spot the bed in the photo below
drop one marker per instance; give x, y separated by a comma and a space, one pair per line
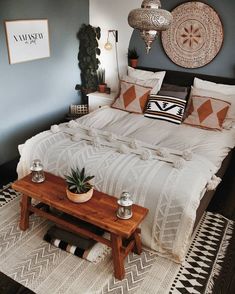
176, 183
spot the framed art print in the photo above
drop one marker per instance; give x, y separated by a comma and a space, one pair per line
27, 40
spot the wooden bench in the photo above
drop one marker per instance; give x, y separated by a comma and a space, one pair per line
100, 210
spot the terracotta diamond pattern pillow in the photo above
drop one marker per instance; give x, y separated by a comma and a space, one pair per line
132, 97
206, 112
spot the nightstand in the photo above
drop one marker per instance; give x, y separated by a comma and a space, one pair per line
97, 100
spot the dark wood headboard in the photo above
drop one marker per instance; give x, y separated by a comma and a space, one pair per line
186, 79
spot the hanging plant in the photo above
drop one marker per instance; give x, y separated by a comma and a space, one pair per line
88, 37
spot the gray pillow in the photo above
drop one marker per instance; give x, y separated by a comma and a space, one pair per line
176, 94
174, 88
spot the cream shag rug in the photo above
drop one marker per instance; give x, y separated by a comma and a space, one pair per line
43, 268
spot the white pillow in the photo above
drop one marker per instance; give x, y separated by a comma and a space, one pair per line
221, 88
217, 95
147, 75
151, 83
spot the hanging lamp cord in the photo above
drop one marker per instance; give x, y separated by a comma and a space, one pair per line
116, 49
115, 34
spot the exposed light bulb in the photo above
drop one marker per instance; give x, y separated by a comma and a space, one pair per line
108, 46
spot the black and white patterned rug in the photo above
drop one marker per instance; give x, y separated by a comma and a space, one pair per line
205, 269
208, 256
7, 194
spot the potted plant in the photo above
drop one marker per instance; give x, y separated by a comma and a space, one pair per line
88, 37
133, 57
101, 80
79, 188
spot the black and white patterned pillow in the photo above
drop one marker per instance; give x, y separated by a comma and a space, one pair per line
166, 108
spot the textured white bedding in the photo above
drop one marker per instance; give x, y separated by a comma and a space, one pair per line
172, 195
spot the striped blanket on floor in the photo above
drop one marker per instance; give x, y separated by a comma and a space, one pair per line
77, 245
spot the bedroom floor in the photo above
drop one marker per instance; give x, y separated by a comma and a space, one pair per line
223, 203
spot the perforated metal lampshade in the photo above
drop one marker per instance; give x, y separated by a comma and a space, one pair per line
149, 20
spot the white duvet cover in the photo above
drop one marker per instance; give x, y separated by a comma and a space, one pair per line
170, 191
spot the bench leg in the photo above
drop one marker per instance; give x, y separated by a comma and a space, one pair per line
118, 262
138, 245
24, 215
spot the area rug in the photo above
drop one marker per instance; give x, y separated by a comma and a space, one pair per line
43, 268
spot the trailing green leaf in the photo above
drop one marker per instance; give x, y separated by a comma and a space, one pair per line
88, 37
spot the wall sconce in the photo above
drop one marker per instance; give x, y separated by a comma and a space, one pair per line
108, 46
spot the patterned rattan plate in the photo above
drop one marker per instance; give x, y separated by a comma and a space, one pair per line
195, 36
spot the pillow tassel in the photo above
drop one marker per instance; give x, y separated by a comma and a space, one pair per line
162, 152
187, 155
76, 138
72, 124
135, 144
92, 132
55, 129
213, 183
96, 142
146, 155
123, 149
112, 137
179, 163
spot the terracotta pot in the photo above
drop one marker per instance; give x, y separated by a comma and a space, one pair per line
79, 198
102, 88
133, 62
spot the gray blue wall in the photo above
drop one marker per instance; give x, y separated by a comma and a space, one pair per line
222, 65
35, 94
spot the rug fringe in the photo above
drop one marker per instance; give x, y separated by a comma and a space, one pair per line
216, 270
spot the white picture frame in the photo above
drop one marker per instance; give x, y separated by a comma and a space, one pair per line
27, 40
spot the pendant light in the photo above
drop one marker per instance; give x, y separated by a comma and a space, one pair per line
149, 20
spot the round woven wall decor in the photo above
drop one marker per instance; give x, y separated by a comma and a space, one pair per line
195, 36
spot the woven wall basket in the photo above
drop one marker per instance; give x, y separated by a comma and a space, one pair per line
195, 36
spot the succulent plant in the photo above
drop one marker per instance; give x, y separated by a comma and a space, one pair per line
78, 182
132, 54
101, 76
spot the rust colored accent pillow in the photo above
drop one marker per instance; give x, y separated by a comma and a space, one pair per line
206, 112
132, 97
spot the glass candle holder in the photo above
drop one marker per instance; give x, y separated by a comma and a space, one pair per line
37, 171
125, 203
